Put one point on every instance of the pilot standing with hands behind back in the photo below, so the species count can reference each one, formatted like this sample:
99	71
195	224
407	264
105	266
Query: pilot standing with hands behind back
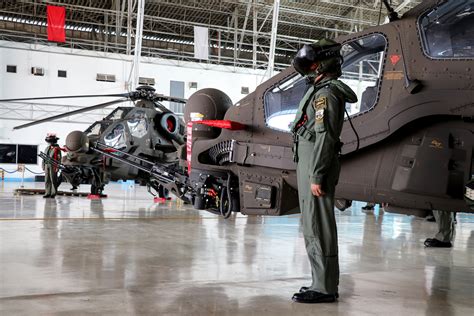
316	131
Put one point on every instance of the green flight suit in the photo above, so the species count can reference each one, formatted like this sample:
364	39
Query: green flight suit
446	228
317	128
51	171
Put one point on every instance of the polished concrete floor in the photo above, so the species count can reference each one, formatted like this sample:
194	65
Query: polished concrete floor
125	255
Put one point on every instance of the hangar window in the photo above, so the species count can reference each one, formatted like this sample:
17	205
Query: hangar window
62	73
362	70
448	30
281	102
11	68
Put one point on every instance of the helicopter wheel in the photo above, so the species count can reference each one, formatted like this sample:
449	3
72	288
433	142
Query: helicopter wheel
225	203
163	192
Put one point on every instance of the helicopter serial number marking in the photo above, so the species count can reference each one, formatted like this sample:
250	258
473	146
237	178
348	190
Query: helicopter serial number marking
393	75
436	144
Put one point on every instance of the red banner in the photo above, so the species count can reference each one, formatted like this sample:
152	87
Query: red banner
56	23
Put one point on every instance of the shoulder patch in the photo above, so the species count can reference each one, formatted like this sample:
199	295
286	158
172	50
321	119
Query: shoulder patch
320	103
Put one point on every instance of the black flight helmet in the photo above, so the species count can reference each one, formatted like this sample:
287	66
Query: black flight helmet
319	52
51	138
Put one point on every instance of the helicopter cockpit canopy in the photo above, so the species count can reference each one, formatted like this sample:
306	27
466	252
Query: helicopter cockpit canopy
362	71
447	30
96	129
118	113
138	123
116	138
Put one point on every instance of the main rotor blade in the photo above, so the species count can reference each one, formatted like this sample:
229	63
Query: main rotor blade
160	98
116	95
86	109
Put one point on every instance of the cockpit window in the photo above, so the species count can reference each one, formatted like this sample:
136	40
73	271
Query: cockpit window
94	129
116	138
281	102
448	30
138	124
118	113
362	70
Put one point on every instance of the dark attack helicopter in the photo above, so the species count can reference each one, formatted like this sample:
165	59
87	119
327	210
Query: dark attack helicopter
412	140
148	130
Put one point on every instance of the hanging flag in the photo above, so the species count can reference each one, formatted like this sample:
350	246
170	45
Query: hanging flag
201	42
56	23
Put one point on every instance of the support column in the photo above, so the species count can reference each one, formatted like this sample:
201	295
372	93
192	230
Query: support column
138	44
271	55
236	30
219	46
129	26
254	51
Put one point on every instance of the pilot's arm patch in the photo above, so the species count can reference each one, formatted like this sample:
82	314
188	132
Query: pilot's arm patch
319	106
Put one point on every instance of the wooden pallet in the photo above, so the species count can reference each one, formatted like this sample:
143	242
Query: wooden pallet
41	192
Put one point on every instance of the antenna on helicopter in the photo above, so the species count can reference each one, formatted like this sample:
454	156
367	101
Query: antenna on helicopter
392	15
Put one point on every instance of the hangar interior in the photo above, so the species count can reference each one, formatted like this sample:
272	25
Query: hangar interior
126	254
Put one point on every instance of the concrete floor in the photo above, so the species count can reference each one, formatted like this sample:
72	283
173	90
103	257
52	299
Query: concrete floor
125	255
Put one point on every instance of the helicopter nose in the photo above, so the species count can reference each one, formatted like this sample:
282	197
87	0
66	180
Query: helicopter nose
77	141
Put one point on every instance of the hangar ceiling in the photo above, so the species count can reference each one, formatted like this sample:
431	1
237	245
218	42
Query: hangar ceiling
239	30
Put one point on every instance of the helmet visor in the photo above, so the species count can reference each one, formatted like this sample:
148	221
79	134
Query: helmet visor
304	60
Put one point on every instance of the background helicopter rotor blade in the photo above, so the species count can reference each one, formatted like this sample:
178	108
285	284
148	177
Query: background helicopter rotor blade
160	98
117	95
85	109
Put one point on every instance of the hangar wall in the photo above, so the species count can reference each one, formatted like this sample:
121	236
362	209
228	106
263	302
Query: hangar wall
82	68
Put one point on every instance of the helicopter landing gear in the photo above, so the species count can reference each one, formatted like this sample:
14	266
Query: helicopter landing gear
163	193
159	192
229	200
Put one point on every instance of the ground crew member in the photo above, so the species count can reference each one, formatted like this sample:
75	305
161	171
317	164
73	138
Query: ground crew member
316	129
51	170
446	230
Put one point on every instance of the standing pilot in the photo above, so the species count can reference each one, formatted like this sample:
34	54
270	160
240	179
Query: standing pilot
446	230
316	129
51	170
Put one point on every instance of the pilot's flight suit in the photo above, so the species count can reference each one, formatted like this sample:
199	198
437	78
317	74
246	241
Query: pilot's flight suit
445	221
317	128
51	171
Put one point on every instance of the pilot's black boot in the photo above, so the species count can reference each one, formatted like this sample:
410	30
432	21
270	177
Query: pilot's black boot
306	288
433	242
46	196
368	207
313	297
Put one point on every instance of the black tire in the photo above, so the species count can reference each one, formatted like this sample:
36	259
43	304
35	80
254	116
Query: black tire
163	192
199	202
225	206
